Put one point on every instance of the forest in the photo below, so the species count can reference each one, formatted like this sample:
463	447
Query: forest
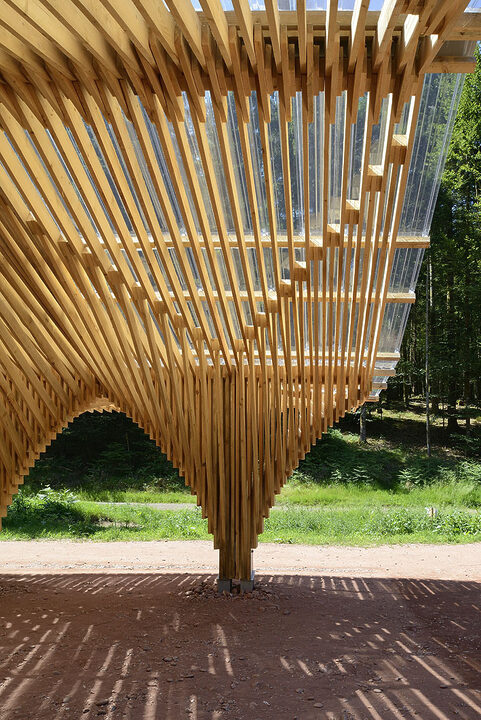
449	286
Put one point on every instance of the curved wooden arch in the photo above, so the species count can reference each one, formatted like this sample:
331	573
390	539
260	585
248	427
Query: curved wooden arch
26	449
200	218
33	448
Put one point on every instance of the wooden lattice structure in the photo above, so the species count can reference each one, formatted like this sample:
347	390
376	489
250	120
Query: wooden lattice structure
202	224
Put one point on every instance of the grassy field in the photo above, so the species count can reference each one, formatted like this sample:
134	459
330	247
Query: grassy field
300	490
342	493
355	525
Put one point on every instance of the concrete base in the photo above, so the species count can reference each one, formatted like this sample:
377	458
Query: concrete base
224	585
247	585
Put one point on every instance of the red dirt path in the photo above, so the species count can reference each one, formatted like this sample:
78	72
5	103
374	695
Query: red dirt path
356	636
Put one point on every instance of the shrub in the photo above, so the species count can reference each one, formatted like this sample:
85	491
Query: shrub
48	507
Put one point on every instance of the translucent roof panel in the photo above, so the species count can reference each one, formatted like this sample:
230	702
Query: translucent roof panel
405	269
394	323
226	5
439	103
291	5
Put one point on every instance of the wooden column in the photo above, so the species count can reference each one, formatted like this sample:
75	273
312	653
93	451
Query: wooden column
234	483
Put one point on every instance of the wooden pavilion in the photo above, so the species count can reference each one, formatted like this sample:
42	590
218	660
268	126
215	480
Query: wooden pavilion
212	218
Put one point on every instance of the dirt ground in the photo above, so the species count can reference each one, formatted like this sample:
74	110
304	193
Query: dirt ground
135	630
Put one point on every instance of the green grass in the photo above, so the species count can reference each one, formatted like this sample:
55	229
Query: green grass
300	490
136	496
446	495
54	518
360	526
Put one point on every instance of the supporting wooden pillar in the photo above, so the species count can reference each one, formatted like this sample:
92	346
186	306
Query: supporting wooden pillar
226	566
234	472
229	570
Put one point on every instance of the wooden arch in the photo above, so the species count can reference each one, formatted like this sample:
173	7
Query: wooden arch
201	219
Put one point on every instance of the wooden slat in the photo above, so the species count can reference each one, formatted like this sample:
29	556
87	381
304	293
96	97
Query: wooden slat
100	16
246	27
216	18
186	18
272	11
385	26
160	21
25	42
331	31
357	31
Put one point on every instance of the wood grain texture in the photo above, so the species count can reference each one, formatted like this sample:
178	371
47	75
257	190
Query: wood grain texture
171	245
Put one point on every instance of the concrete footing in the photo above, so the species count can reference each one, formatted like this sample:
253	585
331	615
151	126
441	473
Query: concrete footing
247	585
224	585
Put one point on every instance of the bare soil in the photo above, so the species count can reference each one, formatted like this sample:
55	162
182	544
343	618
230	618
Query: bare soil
137	631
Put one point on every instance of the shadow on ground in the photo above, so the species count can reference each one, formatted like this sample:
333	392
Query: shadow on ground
145	646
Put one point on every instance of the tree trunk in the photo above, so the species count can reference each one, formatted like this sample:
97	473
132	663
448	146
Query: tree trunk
362	424
452	423
452	408
405	393
426	378
452	331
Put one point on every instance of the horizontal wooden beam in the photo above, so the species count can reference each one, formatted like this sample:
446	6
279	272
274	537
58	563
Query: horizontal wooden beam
399	297
299	241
